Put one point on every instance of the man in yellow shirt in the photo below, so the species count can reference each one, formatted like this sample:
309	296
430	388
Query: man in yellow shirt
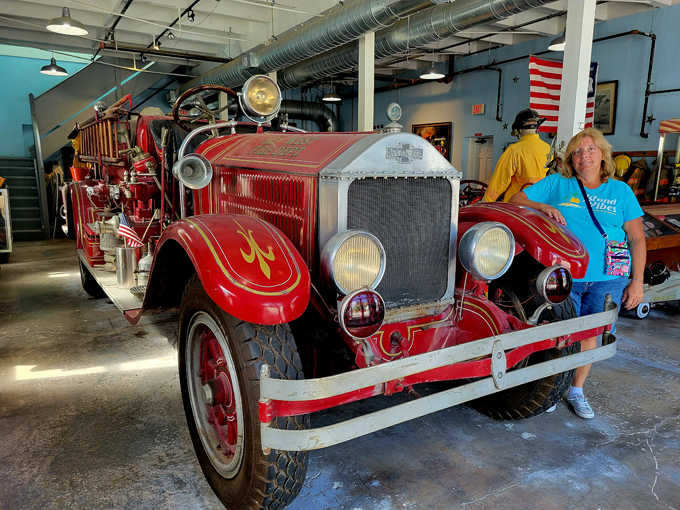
523	163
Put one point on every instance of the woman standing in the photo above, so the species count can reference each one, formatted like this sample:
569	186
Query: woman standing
587	170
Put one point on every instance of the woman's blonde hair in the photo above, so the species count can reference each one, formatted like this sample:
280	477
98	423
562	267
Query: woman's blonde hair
607	169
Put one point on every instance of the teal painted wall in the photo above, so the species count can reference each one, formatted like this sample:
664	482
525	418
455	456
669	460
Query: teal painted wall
21	77
624	59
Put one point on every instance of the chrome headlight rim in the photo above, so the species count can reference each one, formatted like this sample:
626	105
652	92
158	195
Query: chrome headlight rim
345	303
248	109
468	244
330	251
542	283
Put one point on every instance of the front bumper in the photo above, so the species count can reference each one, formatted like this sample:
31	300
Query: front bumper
368	381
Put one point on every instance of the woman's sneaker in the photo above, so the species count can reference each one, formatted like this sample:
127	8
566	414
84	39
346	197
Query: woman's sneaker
581	406
551	408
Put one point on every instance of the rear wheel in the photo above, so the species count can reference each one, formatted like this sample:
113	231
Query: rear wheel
89	283
219	365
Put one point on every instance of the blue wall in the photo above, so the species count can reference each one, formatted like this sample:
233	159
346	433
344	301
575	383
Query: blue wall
624	59
21	77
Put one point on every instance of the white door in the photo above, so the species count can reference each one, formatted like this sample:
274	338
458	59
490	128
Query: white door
480	158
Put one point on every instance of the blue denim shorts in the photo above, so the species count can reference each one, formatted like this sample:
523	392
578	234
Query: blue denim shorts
588	297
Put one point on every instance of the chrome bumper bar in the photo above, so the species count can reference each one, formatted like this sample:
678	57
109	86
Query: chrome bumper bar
312	389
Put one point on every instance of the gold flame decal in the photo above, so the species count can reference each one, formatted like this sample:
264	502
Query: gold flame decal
255	250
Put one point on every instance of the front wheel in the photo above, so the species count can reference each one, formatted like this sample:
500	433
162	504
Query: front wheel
219	366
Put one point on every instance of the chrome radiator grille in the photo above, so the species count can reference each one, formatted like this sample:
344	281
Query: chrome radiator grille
412	219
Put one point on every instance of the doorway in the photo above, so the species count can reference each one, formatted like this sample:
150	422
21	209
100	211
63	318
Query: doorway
479	158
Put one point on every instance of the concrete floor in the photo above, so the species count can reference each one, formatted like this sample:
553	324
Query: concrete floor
91	418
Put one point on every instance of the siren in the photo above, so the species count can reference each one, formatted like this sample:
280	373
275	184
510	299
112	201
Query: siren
193	170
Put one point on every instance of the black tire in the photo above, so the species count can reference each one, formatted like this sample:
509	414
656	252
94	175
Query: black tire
89	284
532	398
240	474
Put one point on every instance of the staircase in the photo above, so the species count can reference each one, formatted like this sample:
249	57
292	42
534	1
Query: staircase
28	223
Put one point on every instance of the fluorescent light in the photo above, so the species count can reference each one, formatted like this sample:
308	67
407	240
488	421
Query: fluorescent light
66	24
53	69
557	44
432	73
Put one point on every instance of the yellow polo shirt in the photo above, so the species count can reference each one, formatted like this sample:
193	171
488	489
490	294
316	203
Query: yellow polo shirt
523	163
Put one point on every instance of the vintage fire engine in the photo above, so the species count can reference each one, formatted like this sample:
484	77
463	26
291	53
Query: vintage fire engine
315	269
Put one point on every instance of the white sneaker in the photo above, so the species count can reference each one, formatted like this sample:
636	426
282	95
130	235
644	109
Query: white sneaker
581	406
551	409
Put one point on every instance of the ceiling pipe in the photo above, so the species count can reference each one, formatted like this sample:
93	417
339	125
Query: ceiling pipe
422	28
345	24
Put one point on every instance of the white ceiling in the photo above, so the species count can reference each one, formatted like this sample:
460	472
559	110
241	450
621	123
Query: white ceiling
227	28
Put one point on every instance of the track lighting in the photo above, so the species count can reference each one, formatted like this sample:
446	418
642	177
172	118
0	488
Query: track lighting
156	44
171	36
191	15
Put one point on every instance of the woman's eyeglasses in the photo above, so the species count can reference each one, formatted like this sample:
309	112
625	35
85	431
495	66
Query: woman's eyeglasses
578	152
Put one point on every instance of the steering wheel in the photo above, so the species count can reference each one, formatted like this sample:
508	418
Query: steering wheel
206	113
471	192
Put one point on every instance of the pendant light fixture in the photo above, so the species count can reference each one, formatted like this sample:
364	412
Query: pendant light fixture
66	24
331	97
432	73
53	69
557	44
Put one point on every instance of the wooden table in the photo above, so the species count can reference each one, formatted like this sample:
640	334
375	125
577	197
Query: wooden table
664	247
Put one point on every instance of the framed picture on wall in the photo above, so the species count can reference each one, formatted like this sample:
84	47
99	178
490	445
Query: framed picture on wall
605	106
439	135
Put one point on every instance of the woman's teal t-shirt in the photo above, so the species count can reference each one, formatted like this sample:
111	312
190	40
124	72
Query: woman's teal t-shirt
613	203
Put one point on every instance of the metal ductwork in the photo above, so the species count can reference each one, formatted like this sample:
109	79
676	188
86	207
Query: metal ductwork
424	27
319	113
345	24
300	110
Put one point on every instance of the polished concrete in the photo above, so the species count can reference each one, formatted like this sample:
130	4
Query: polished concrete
91	418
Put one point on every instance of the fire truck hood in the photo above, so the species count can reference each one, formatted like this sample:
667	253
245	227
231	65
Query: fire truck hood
331	154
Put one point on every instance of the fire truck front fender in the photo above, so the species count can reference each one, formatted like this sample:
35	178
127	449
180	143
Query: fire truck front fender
545	240
247	267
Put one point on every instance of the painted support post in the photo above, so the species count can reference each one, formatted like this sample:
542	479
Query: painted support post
576	69
366	81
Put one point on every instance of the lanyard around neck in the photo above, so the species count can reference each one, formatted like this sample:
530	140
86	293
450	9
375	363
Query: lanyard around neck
590	209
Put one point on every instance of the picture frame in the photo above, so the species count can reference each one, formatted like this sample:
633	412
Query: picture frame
438	134
604	117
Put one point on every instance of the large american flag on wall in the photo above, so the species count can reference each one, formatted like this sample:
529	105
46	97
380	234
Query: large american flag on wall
545	78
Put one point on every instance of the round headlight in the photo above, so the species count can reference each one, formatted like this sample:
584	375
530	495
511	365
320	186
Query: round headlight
554	284
261	96
362	313
352	260
486	250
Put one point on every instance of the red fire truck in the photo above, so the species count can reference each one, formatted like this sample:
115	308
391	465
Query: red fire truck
311	270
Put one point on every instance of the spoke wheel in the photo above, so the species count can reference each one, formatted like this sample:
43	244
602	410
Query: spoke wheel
209	361
219	367
205	112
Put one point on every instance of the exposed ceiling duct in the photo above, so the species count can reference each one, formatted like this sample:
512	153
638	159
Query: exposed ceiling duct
345	24
422	28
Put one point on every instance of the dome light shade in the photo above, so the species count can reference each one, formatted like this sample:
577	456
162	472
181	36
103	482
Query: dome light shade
66	24
53	69
432	73
557	44
331	97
